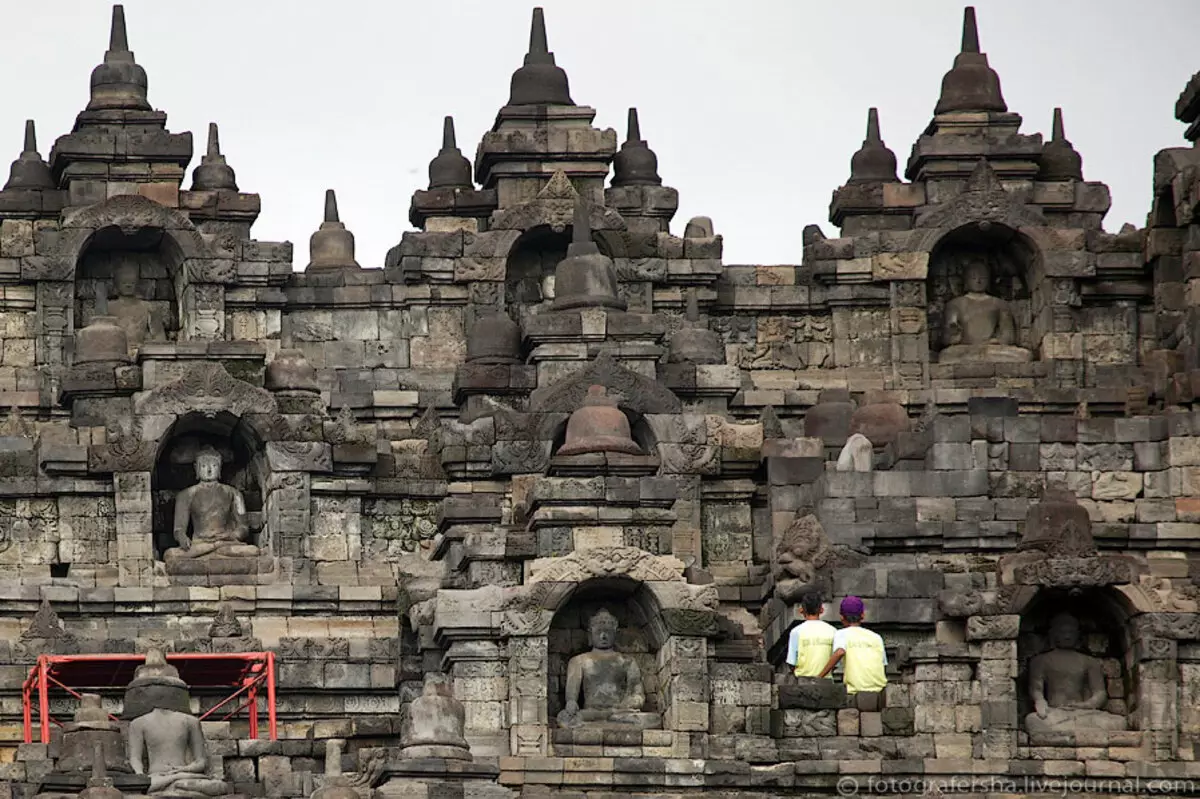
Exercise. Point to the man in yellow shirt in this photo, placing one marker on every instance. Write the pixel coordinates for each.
(810, 643)
(863, 650)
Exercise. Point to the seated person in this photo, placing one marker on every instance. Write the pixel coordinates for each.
(810, 643)
(862, 649)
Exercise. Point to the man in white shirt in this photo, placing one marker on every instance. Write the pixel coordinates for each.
(810, 643)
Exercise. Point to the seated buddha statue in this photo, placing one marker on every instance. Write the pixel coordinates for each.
(214, 512)
(137, 317)
(979, 326)
(1067, 686)
(604, 686)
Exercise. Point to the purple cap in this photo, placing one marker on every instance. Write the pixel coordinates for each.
(852, 606)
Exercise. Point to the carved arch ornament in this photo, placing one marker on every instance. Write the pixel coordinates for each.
(205, 389)
(554, 207)
(529, 609)
(128, 213)
(636, 392)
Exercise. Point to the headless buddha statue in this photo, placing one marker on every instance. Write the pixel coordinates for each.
(215, 513)
(165, 743)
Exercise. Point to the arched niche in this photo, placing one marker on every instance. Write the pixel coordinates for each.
(1011, 258)
(1105, 633)
(641, 634)
(529, 271)
(243, 466)
(137, 272)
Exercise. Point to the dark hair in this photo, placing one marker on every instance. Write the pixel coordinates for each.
(854, 618)
(811, 603)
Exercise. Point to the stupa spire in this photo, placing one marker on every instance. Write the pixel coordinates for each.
(450, 169)
(214, 172)
(970, 31)
(970, 85)
(873, 161)
(1056, 131)
(635, 164)
(1059, 160)
(332, 246)
(119, 83)
(29, 171)
(118, 39)
(539, 81)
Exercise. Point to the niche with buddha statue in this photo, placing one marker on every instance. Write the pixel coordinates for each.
(979, 297)
(606, 633)
(1073, 665)
(129, 277)
(213, 465)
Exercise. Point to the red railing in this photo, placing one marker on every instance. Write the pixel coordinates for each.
(247, 673)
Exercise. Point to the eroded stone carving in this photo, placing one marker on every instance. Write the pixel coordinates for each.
(979, 325)
(214, 512)
(137, 317)
(208, 389)
(637, 393)
(1067, 686)
(805, 557)
(434, 724)
(605, 686)
(165, 742)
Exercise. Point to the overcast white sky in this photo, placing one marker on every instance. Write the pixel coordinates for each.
(754, 107)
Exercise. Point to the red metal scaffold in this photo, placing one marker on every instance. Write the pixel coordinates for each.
(245, 672)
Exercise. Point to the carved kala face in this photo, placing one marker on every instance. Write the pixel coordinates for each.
(977, 277)
(208, 466)
(125, 279)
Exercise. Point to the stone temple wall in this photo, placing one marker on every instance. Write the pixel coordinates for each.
(974, 408)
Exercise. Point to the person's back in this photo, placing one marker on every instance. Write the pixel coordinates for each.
(809, 647)
(865, 659)
(862, 650)
(810, 642)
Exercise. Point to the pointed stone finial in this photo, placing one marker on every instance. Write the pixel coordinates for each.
(970, 31)
(635, 164)
(873, 126)
(450, 169)
(634, 129)
(331, 212)
(539, 81)
(332, 246)
(581, 227)
(1060, 160)
(226, 624)
(970, 85)
(118, 40)
(695, 342)
(118, 83)
(1057, 133)
(873, 161)
(537, 34)
(213, 173)
(29, 171)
